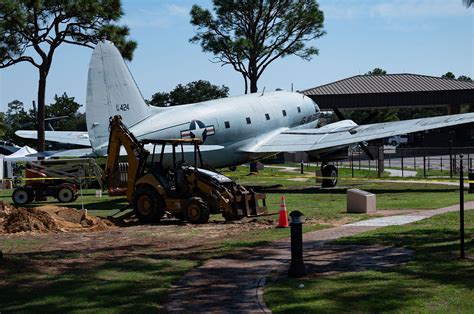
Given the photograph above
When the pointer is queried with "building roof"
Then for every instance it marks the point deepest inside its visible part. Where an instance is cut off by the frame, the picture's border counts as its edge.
(389, 83)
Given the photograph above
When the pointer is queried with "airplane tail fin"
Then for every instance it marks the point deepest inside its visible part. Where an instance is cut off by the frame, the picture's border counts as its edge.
(111, 90)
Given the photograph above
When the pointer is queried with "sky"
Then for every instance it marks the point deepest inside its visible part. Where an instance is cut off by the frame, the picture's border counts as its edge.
(429, 37)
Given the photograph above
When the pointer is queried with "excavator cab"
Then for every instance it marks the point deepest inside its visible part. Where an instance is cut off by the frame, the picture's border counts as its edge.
(172, 173)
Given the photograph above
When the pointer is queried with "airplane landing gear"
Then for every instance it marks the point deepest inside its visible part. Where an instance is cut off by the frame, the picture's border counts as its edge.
(329, 173)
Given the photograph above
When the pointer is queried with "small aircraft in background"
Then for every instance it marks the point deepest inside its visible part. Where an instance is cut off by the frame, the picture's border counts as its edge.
(234, 130)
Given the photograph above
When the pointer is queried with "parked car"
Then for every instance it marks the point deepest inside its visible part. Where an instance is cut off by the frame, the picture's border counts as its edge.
(397, 140)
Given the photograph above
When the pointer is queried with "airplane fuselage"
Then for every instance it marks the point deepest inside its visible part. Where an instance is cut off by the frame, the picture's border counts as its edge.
(234, 123)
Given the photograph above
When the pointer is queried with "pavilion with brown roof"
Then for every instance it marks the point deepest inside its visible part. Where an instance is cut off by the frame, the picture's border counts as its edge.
(393, 90)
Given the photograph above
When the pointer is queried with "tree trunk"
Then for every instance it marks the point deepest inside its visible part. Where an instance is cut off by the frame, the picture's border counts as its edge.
(253, 85)
(41, 109)
(253, 89)
(253, 78)
(246, 84)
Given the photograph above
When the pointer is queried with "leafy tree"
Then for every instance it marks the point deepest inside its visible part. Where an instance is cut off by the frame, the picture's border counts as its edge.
(251, 34)
(16, 118)
(448, 75)
(468, 3)
(464, 78)
(31, 31)
(65, 106)
(377, 71)
(192, 92)
(160, 99)
(2, 126)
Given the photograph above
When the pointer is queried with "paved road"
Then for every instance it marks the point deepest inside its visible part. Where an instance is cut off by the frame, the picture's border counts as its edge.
(235, 283)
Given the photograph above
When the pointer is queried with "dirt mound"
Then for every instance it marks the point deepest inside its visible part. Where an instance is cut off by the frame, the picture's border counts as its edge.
(48, 218)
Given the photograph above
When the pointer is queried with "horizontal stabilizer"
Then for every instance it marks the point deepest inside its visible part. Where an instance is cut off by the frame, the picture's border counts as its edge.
(65, 137)
(81, 152)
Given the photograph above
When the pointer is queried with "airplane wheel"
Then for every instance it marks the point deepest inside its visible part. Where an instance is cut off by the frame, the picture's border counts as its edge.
(65, 195)
(20, 196)
(329, 171)
(148, 205)
(197, 211)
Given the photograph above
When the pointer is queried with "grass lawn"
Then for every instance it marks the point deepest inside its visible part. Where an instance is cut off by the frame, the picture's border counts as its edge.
(435, 280)
(135, 275)
(121, 285)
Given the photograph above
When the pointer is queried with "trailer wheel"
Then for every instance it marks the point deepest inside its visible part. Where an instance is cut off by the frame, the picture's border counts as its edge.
(148, 205)
(65, 195)
(197, 211)
(329, 171)
(20, 196)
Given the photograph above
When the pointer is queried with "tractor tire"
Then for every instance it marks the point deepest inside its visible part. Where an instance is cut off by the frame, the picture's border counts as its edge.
(20, 196)
(329, 171)
(148, 205)
(65, 195)
(197, 211)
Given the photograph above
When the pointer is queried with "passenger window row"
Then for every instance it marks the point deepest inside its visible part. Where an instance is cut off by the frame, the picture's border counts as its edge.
(283, 112)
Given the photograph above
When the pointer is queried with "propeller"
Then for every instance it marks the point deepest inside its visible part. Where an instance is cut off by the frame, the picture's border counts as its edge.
(340, 116)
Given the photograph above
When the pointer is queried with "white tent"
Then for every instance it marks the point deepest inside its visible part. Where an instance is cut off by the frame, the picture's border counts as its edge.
(1, 167)
(21, 154)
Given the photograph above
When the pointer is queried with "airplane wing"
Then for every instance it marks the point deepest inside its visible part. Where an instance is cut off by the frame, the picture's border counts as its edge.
(67, 137)
(347, 132)
(88, 152)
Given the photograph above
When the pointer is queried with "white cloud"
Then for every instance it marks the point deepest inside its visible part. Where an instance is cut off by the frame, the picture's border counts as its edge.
(178, 10)
(351, 9)
(162, 16)
(421, 8)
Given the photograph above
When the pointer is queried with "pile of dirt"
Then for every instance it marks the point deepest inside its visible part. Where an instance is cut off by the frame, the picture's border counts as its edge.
(48, 218)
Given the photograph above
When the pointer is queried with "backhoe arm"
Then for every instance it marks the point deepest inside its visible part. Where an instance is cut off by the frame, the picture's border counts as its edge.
(136, 154)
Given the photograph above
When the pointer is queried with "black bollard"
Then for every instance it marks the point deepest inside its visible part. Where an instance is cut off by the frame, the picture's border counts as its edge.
(297, 268)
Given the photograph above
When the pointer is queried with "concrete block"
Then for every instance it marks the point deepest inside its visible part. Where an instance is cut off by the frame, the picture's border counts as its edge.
(359, 201)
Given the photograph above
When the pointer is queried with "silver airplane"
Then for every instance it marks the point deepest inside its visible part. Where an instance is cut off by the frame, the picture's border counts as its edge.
(234, 130)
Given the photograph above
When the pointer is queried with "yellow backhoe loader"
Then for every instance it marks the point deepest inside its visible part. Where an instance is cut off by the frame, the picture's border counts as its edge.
(186, 191)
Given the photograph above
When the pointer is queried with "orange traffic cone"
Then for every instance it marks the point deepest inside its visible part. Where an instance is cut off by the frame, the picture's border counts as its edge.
(283, 219)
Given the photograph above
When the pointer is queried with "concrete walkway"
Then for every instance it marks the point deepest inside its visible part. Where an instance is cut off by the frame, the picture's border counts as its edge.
(235, 283)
